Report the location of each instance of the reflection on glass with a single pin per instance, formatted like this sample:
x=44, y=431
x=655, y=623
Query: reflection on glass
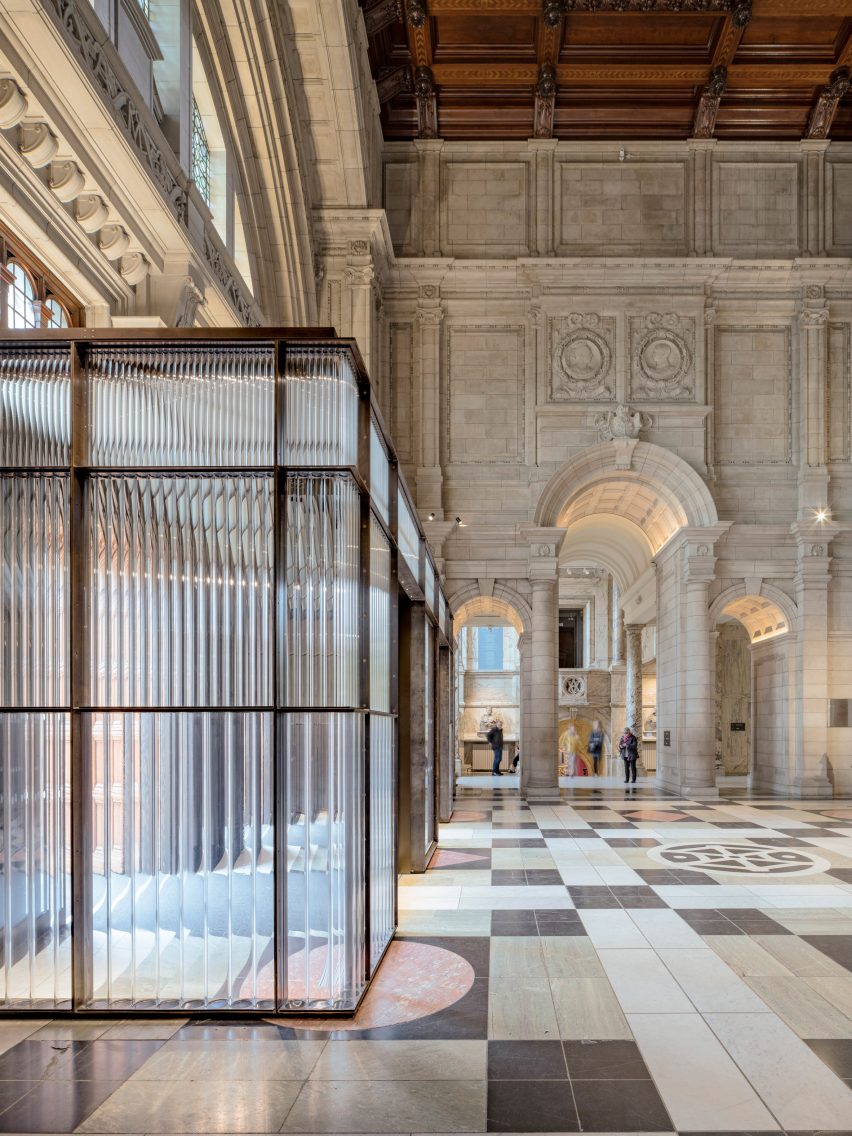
x=35, y=839
x=443, y=614
x=429, y=583
x=379, y=475
x=382, y=835
x=323, y=558
x=33, y=565
x=35, y=405
x=182, y=850
x=322, y=407
x=380, y=617
x=180, y=589
x=429, y=735
x=322, y=757
x=408, y=537
x=176, y=404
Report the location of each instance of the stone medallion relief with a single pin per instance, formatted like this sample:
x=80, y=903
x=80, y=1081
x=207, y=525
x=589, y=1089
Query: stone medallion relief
x=662, y=356
x=583, y=349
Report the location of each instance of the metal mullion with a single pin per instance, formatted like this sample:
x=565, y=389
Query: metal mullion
x=279, y=614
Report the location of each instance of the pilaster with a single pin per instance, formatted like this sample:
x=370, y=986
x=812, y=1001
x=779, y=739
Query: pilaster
x=430, y=315
x=813, y=344
x=543, y=151
x=429, y=157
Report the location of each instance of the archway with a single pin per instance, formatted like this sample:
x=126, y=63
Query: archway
x=754, y=691
x=627, y=507
x=490, y=636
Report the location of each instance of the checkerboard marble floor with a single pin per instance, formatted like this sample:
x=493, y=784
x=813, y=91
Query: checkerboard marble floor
x=611, y=961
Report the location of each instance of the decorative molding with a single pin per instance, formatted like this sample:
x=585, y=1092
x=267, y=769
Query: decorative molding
x=134, y=268
x=67, y=180
x=363, y=275
x=622, y=422
x=191, y=299
x=430, y=317
x=90, y=212
x=708, y=104
x=825, y=108
x=393, y=81
x=582, y=358
x=427, y=103
x=379, y=16
x=13, y=104
x=545, y=101
x=416, y=15
x=740, y=9
x=813, y=317
x=120, y=101
x=37, y=143
x=662, y=357
x=113, y=241
x=229, y=281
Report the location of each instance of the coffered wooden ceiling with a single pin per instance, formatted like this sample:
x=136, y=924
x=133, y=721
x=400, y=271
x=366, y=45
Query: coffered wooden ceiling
x=612, y=69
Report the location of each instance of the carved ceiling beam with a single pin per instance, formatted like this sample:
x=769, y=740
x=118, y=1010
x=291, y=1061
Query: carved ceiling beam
x=419, y=32
x=393, y=81
x=534, y=7
x=545, y=101
x=827, y=103
x=380, y=14
x=621, y=75
x=704, y=124
x=427, y=103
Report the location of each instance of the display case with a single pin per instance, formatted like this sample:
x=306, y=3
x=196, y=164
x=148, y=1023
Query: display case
x=198, y=696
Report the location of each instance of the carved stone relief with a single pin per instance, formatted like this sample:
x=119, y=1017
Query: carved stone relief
x=583, y=349
x=662, y=356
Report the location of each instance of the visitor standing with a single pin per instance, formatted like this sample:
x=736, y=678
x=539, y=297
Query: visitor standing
x=595, y=745
x=628, y=747
x=495, y=740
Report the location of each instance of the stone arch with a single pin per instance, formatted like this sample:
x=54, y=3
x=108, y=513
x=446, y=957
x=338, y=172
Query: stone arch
x=647, y=484
x=769, y=608
x=504, y=602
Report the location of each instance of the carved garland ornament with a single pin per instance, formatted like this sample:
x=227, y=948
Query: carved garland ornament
x=662, y=359
x=582, y=360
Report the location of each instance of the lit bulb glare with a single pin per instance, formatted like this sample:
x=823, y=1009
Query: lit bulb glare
x=461, y=523
x=431, y=516
x=821, y=515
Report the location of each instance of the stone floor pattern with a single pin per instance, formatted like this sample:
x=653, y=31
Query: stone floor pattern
x=615, y=961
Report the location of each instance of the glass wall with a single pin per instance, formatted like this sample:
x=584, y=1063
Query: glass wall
x=197, y=674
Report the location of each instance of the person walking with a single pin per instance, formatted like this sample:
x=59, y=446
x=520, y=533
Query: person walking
x=628, y=747
x=495, y=740
x=595, y=745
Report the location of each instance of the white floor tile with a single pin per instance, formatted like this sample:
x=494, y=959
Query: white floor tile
x=642, y=982
x=709, y=983
x=664, y=928
x=609, y=928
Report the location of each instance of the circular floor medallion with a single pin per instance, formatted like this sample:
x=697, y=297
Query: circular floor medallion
x=741, y=858
x=836, y=814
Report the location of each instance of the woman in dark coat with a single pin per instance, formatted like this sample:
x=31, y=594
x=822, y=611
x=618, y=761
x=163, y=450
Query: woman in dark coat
x=628, y=747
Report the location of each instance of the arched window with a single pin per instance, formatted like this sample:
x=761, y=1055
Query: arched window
x=29, y=297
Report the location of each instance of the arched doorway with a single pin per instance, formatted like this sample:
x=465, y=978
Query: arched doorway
x=490, y=634
x=755, y=687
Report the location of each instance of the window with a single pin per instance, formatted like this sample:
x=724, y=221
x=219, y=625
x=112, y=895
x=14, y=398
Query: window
x=570, y=638
x=489, y=648
x=200, y=159
x=29, y=298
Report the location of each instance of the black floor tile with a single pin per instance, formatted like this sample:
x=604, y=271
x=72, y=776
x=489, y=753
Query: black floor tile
x=620, y=1106
x=605, y=1061
x=503, y=877
x=551, y=930
x=598, y=902
x=11, y=1091
x=507, y=930
x=753, y=922
x=526, y=1061
x=836, y=946
x=836, y=1053
x=34, y=1060
x=543, y=877
x=56, y=1106
x=531, y=1106
x=107, y=1060
x=842, y=874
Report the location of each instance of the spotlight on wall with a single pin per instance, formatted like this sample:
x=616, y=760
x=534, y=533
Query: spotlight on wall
x=462, y=524
x=431, y=516
x=822, y=515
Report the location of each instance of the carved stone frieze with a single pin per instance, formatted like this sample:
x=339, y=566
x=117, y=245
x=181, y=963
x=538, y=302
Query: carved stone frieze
x=621, y=423
x=662, y=356
x=120, y=101
x=583, y=348
x=229, y=282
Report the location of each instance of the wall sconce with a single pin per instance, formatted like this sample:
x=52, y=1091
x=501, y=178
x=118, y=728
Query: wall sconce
x=461, y=523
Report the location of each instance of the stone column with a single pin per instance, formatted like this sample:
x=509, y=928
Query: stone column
x=359, y=280
x=428, y=194
x=814, y=150
x=813, y=470
x=544, y=150
x=415, y=820
x=696, y=743
x=702, y=174
x=634, y=679
x=445, y=755
x=810, y=776
x=430, y=315
x=525, y=652
x=617, y=626
x=542, y=756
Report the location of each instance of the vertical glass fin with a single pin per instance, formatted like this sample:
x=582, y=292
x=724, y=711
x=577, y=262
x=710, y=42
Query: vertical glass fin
x=322, y=758
x=179, y=590
x=35, y=859
x=379, y=474
x=322, y=572
x=408, y=536
x=172, y=404
x=33, y=590
x=181, y=853
x=35, y=405
x=380, y=618
x=382, y=835
x=322, y=407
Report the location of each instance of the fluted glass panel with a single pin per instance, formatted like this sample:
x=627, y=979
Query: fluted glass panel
x=323, y=559
x=443, y=614
x=35, y=405
x=322, y=407
x=429, y=583
x=380, y=617
x=429, y=734
x=408, y=536
x=35, y=850
x=171, y=404
x=181, y=846
x=33, y=590
x=322, y=756
x=382, y=835
x=379, y=475
x=179, y=590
